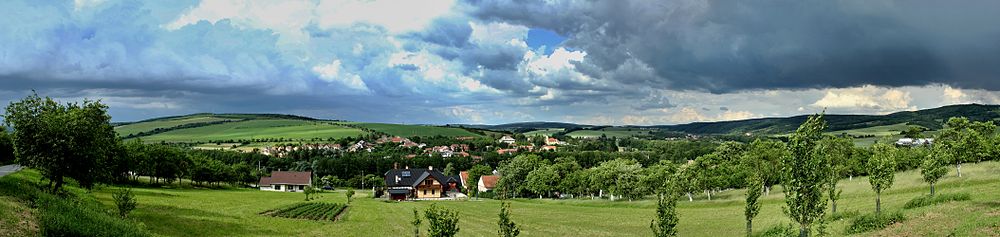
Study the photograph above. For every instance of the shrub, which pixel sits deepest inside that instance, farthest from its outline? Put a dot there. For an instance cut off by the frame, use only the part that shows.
(780, 231)
(443, 222)
(927, 200)
(124, 201)
(870, 222)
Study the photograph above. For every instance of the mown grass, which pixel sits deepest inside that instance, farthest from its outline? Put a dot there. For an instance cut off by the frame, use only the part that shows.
(404, 130)
(257, 129)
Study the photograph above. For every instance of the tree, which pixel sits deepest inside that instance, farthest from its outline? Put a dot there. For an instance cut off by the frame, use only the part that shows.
(913, 132)
(803, 175)
(449, 170)
(416, 223)
(542, 181)
(442, 221)
(515, 171)
(666, 220)
(124, 201)
(765, 157)
(349, 194)
(6, 147)
(657, 178)
(836, 151)
(687, 181)
(507, 226)
(61, 140)
(472, 184)
(754, 185)
(966, 140)
(881, 169)
(619, 176)
(933, 168)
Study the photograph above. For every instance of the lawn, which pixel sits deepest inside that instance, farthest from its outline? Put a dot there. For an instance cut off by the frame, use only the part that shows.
(256, 129)
(165, 123)
(404, 130)
(204, 212)
(609, 132)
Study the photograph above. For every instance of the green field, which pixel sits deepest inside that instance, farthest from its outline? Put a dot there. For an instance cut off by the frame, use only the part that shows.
(202, 212)
(878, 131)
(404, 130)
(165, 123)
(609, 132)
(257, 129)
(544, 132)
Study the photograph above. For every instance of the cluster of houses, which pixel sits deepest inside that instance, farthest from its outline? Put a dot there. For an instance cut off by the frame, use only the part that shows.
(282, 151)
(431, 184)
(915, 142)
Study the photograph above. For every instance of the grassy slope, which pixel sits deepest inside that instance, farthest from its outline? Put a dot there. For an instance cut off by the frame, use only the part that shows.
(262, 128)
(16, 219)
(165, 123)
(234, 212)
(403, 130)
(609, 132)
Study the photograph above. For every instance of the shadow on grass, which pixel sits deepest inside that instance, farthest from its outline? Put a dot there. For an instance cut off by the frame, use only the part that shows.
(175, 221)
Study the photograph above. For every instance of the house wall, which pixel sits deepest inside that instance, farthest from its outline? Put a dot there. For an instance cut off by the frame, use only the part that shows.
(482, 187)
(429, 191)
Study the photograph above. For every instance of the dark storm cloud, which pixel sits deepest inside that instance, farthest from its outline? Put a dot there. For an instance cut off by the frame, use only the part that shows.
(725, 46)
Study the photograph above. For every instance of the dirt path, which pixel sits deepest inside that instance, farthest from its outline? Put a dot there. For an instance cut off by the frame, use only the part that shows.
(9, 169)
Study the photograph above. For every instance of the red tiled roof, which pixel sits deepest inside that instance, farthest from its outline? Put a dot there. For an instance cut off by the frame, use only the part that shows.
(490, 181)
(288, 177)
(264, 181)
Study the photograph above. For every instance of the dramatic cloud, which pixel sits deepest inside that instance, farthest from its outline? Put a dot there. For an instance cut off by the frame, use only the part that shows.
(497, 61)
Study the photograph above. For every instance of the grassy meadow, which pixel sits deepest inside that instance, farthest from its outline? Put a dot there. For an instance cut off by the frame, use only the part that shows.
(234, 212)
(165, 123)
(543, 132)
(404, 130)
(609, 132)
(257, 129)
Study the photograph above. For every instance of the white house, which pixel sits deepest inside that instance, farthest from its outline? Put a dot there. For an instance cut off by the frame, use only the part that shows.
(507, 139)
(286, 181)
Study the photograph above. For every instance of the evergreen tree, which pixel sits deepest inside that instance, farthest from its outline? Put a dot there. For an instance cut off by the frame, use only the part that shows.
(666, 220)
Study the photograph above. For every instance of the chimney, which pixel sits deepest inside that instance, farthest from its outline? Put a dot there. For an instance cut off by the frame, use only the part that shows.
(407, 167)
(430, 167)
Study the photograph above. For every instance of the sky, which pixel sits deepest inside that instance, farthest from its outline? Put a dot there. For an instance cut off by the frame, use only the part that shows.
(605, 62)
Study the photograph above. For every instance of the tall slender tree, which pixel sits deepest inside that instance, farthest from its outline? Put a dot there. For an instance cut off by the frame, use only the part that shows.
(753, 185)
(933, 168)
(666, 220)
(836, 151)
(507, 227)
(803, 175)
(881, 171)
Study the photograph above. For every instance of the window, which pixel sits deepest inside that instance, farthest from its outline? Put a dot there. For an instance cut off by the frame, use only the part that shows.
(432, 191)
(425, 192)
(428, 182)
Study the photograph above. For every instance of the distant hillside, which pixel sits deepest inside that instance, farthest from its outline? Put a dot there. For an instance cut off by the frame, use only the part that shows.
(928, 118)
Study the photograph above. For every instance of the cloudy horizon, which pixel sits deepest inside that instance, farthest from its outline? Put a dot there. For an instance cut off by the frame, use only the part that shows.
(601, 62)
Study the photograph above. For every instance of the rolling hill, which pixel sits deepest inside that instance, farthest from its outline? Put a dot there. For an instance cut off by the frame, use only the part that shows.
(929, 118)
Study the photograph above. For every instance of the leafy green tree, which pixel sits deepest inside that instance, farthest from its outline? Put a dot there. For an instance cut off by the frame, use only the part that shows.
(6, 147)
(836, 151)
(472, 183)
(349, 194)
(620, 177)
(803, 175)
(666, 220)
(514, 172)
(416, 223)
(124, 201)
(577, 182)
(754, 185)
(657, 178)
(442, 221)
(687, 181)
(933, 168)
(542, 181)
(968, 141)
(881, 170)
(507, 226)
(309, 191)
(61, 140)
(449, 170)
(765, 157)
(913, 132)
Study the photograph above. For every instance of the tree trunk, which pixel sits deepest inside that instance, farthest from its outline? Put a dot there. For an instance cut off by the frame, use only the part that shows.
(767, 190)
(709, 195)
(851, 177)
(803, 230)
(878, 202)
(690, 199)
(932, 189)
(833, 205)
(959, 169)
(58, 185)
(749, 228)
